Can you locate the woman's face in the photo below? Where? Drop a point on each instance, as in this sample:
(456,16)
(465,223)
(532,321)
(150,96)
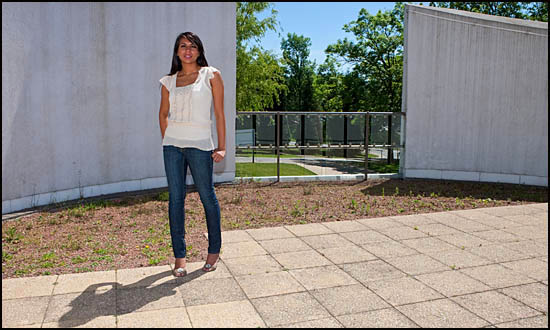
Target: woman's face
(187,51)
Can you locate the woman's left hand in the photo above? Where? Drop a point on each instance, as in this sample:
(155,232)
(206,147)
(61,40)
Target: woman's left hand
(218,155)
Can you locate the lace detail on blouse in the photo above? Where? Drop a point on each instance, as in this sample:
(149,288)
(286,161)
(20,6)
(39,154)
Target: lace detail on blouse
(181,112)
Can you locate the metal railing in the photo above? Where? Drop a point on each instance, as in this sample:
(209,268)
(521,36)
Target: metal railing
(278,144)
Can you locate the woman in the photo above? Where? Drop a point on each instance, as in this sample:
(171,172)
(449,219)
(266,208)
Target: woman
(184,116)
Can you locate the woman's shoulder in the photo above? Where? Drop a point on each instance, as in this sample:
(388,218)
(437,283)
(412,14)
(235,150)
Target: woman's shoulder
(210,69)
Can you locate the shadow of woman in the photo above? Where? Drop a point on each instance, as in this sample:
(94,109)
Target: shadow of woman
(120,299)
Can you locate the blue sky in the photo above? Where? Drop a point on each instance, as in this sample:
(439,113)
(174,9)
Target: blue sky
(322,22)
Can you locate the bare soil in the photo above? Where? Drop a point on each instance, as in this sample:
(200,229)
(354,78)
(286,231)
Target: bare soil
(132,230)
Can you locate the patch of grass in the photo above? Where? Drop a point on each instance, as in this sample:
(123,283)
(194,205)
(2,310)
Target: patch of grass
(268,169)
(12,236)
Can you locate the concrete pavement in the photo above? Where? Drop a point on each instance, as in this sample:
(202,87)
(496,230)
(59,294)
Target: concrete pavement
(473,268)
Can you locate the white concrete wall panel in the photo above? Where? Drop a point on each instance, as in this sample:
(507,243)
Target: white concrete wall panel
(80,94)
(476,95)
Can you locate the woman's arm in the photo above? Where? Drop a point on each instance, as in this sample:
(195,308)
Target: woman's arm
(163,111)
(217,94)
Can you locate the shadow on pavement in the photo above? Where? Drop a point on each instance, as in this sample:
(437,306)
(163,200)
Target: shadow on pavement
(91,304)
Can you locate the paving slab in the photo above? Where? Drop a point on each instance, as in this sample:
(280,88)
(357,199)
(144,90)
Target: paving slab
(532,268)
(235,236)
(429,244)
(458,258)
(389,249)
(534,295)
(159,318)
(346,254)
(452,283)
(253,265)
(383,318)
(498,236)
(94,281)
(380,223)
(309,229)
(403,290)
(467,226)
(141,298)
(442,313)
(80,307)
(144,276)
(301,259)
(496,276)
(241,249)
(365,237)
(403,232)
(23,311)
(414,220)
(369,271)
(109,321)
(349,299)
(492,221)
(437,229)
(495,307)
(269,284)
(326,241)
(269,233)
(509,211)
(322,277)
(530,322)
(464,240)
(330,322)
(233,314)
(345,226)
(497,252)
(277,246)
(289,308)
(24,287)
(528,232)
(210,291)
(417,264)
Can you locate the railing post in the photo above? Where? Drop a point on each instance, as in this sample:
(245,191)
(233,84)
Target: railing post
(254,128)
(278,143)
(366,145)
(302,133)
(390,150)
(345,135)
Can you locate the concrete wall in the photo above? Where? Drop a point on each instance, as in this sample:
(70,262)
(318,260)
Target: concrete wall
(80,94)
(475,94)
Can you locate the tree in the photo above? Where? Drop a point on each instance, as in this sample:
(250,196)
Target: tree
(299,71)
(260,76)
(376,56)
(377,59)
(522,10)
(328,86)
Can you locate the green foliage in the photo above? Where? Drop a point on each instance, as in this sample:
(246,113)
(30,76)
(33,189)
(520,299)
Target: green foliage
(299,71)
(376,56)
(522,10)
(260,78)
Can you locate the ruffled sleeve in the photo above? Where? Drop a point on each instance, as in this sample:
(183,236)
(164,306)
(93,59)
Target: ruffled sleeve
(210,72)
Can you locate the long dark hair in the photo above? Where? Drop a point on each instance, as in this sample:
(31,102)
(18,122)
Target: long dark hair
(195,40)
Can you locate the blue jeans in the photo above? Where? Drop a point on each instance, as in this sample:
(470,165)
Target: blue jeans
(201,164)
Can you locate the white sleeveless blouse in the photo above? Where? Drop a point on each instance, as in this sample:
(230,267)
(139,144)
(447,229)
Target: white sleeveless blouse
(189,119)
